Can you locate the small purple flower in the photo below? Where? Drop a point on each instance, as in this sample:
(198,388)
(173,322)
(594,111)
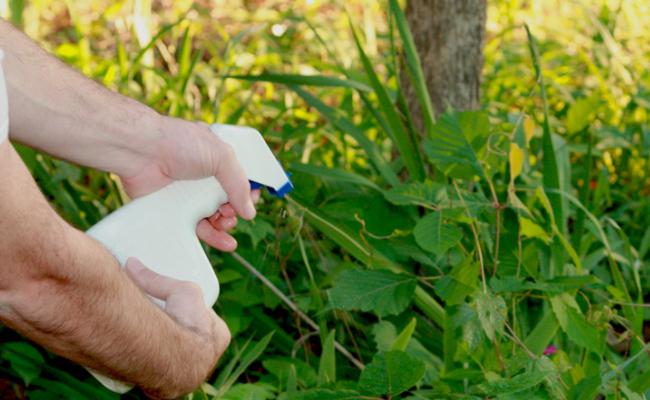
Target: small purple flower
(550,350)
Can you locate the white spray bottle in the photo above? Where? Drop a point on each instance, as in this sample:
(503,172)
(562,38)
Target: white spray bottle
(160,228)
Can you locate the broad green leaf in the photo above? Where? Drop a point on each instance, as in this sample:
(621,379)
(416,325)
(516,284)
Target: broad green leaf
(433,235)
(575,324)
(426,194)
(423,300)
(492,313)
(25,360)
(391,373)
(541,369)
(404,337)
(459,283)
(456,139)
(530,229)
(304,80)
(327,365)
(579,114)
(257,229)
(250,391)
(382,292)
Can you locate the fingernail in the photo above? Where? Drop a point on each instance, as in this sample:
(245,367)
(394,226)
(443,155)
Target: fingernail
(250,210)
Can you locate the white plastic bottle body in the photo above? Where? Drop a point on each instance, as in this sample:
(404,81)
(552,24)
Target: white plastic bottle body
(160,230)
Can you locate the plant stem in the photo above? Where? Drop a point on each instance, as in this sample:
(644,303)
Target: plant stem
(294,307)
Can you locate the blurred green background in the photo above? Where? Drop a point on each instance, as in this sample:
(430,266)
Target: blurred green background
(500,272)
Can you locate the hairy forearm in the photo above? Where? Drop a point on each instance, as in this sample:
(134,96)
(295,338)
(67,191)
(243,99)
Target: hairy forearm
(56,109)
(66,292)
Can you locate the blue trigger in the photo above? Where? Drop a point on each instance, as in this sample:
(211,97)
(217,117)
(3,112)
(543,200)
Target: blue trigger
(280,193)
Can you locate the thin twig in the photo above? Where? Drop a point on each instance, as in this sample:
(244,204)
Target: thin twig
(294,307)
(476,239)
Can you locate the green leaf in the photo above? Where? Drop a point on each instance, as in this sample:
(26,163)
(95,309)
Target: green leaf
(575,324)
(368,256)
(404,337)
(334,174)
(245,358)
(433,235)
(24,359)
(414,66)
(579,114)
(348,127)
(327,365)
(455,141)
(249,391)
(257,229)
(328,394)
(492,313)
(529,229)
(406,145)
(391,373)
(382,292)
(541,369)
(427,194)
(304,80)
(459,283)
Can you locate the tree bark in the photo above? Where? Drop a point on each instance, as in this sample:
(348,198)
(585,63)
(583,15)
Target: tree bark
(449,36)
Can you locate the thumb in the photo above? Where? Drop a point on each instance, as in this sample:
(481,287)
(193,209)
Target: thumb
(152,283)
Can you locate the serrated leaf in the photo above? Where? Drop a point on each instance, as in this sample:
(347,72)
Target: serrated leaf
(541,369)
(428,194)
(391,373)
(459,283)
(456,139)
(433,235)
(575,324)
(492,312)
(382,292)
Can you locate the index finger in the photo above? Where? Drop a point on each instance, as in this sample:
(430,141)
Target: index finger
(234,181)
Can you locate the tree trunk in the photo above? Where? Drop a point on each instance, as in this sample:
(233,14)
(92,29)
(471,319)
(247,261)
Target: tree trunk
(449,36)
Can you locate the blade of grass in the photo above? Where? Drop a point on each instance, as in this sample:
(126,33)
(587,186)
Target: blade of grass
(414,65)
(550,169)
(409,150)
(550,172)
(304,80)
(348,127)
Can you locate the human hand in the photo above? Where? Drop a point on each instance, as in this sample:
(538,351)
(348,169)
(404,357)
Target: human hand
(189,150)
(185,305)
